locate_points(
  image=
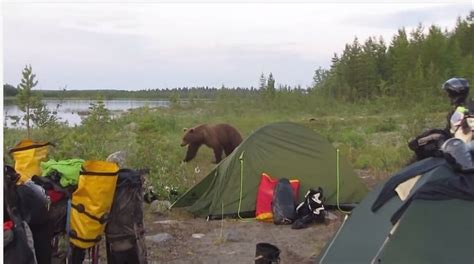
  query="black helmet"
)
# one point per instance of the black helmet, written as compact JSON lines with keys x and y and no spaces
{"x":457,"y":89}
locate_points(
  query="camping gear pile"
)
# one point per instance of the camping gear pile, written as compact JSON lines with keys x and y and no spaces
{"x":460,"y":125}
{"x":57,"y":211}
{"x":277,"y":199}
{"x":265,"y":196}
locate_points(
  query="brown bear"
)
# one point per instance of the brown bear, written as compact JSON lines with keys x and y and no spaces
{"x":220,"y":137}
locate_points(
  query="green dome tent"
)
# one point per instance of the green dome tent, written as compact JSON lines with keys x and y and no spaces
{"x":434,"y":230}
{"x":282,"y":150}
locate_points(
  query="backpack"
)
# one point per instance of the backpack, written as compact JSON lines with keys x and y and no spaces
{"x":311,"y":209}
{"x":283,"y":203}
{"x":91,"y":203}
{"x":17,"y":237}
{"x":125,"y":229}
{"x":428,"y":143}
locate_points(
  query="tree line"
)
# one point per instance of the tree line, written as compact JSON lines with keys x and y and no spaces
{"x":205,"y":92}
{"x":413,"y":65}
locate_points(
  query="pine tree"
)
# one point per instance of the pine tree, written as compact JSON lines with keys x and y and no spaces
{"x":262,"y":83}
{"x":416,"y":81}
{"x":464,"y":33}
{"x":320,"y":75}
{"x":370,"y":75}
{"x":400,"y":62}
{"x":435,"y":51}
{"x":454,"y":59}
{"x":382,"y":62}
{"x":270,"y":86}
{"x":27,"y":101}
{"x":412,"y":65}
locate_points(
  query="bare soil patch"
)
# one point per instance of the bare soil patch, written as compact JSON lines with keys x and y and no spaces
{"x":234,"y":240}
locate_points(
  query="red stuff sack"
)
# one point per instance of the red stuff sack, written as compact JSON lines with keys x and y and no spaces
{"x":263,"y":207}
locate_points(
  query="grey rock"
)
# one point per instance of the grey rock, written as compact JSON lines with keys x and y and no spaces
{"x":198,"y":235}
{"x":118,"y":157}
{"x":159,"y":238}
{"x":160,"y":207}
{"x":166,"y":222}
{"x":131,"y":127}
{"x":232,"y":235}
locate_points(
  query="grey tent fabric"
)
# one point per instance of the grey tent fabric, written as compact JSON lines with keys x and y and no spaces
{"x":404,"y":174}
{"x":429,"y":231}
{"x":433,"y":232}
{"x":362,"y":233}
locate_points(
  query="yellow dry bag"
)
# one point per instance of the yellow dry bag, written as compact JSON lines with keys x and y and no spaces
{"x":28,"y":155}
{"x":91,"y":202}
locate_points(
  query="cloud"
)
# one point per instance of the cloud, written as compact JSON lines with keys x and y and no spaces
{"x":139,"y":46}
{"x":410,"y":16}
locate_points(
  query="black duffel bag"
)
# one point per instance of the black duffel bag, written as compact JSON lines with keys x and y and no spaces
{"x":283,"y":203}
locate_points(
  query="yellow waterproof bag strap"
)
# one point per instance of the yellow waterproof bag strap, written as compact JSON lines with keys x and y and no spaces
{"x":28,"y":155}
{"x":91,"y":202}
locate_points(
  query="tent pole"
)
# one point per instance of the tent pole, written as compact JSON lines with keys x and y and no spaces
{"x":333,"y":239}
{"x":337,"y":184}
{"x":241,"y":159}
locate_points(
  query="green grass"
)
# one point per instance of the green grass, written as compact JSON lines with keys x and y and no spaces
{"x":372,"y":136}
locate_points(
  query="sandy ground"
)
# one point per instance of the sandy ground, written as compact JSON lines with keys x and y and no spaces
{"x":233,"y":241}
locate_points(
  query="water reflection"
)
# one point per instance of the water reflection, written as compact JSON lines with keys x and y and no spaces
{"x":73,"y":111}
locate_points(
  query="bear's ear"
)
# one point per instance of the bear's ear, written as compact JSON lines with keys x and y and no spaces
{"x":185,"y":129}
{"x":191,"y":130}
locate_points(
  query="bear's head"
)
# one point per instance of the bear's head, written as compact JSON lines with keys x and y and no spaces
{"x":191,"y":136}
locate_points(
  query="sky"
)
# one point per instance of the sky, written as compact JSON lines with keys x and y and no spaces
{"x":156,"y":44}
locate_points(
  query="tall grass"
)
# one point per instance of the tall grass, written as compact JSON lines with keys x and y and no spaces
{"x":372,"y":135}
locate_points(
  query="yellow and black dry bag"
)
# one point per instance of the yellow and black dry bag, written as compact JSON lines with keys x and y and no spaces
{"x":28,"y":155}
{"x":91,"y":202}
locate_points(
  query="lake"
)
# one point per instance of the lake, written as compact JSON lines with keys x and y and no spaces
{"x":73,"y":111}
